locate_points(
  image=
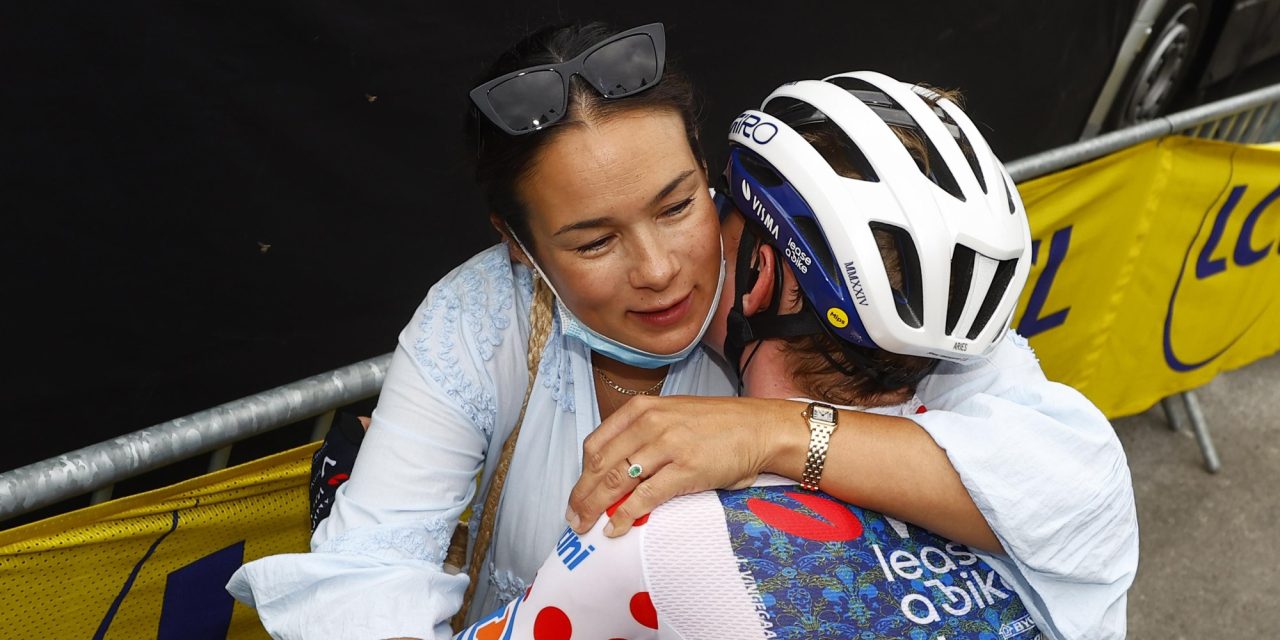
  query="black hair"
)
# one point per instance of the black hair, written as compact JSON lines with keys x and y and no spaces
{"x":503,"y":160}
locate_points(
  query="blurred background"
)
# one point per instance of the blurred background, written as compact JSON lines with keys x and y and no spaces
{"x":208,"y":199}
{"x":213,"y":198}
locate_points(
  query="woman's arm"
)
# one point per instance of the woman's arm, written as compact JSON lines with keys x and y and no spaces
{"x":387,"y":535}
{"x":687,"y":444}
{"x":1001,"y":451}
{"x":885,"y":463}
{"x":1045,"y":468}
{"x":375,"y":567}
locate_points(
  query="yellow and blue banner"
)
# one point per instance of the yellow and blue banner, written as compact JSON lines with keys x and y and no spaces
{"x":1155,"y":269}
{"x":155,"y":565}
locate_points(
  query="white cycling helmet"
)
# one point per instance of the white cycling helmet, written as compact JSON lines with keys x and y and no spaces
{"x":960,"y":228}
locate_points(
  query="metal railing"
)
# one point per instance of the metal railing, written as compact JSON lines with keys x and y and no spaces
{"x":97,"y":467}
{"x":1247,"y":118}
{"x":1251,"y":117}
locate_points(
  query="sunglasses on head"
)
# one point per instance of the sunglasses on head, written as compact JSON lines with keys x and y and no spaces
{"x":535,"y":97}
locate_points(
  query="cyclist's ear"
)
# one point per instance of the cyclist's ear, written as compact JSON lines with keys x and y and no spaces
{"x":761,"y":281}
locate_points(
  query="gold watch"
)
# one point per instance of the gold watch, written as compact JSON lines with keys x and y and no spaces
{"x":822,"y":423}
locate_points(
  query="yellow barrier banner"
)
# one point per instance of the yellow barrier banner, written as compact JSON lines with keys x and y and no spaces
{"x":155,"y":565}
{"x":1155,"y":268}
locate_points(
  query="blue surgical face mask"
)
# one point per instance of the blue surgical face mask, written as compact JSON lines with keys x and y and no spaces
{"x":571,"y":326}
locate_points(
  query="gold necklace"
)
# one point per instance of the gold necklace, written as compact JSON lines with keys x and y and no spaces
{"x":629,"y":392}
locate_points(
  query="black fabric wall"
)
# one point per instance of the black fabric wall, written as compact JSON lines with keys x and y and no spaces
{"x":206,"y":199}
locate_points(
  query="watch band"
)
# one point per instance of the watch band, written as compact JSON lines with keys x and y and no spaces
{"x":822,"y":423}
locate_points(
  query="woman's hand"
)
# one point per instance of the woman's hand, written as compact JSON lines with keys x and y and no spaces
{"x":684,"y":444}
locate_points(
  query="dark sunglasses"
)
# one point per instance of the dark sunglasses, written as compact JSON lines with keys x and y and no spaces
{"x":527,"y":100}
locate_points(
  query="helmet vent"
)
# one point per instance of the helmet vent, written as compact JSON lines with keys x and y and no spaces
{"x":999,"y":285}
{"x":827,"y":138}
{"x":761,"y":171}
{"x":793,"y":111}
{"x":928,"y":158}
{"x":962,"y":141}
{"x":812,"y":234}
{"x":901,"y":258}
{"x":1007,"y":319}
{"x":1008,"y":193}
{"x":961,"y":273}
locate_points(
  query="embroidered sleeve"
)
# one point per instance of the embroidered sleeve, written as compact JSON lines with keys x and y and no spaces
{"x":462,"y":329}
{"x":425,"y":540}
{"x":375,"y":569}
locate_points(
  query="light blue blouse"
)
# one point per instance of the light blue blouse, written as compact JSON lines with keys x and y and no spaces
{"x":1042,"y":464}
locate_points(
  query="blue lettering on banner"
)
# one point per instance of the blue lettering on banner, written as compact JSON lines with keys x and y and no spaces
{"x":128,"y":583}
{"x":196,"y":602}
{"x":1244,"y":255}
{"x":1206,"y":267}
{"x":1032,"y":322}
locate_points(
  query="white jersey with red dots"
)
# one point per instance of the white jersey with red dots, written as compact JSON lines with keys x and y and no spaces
{"x":769,"y":561}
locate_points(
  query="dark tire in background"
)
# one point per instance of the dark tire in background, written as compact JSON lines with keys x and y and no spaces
{"x":1160,"y":71}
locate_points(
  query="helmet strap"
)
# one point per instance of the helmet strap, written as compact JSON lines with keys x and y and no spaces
{"x":741,"y":330}
{"x":737,"y":327}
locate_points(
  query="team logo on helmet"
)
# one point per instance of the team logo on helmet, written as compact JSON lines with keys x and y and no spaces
{"x":749,"y":126}
{"x":758,"y":208}
{"x":837,"y":317}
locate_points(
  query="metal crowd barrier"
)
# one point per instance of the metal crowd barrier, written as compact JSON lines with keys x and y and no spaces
{"x":1247,"y":118}
{"x":97,"y":467}
{"x":1251,"y":117}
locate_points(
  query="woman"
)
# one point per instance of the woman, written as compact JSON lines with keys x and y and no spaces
{"x":600,"y":178}
{"x":774,"y":560}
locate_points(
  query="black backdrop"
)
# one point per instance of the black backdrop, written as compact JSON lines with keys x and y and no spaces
{"x":206,"y":199}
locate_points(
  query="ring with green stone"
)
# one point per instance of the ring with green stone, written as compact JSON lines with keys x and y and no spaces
{"x":634,"y":470}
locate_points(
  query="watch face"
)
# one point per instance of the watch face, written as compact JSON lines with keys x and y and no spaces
{"x":822,"y":412}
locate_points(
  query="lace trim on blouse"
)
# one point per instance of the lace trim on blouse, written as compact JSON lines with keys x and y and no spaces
{"x":483,"y":290}
{"x":424,"y":540}
{"x":506,"y":585}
